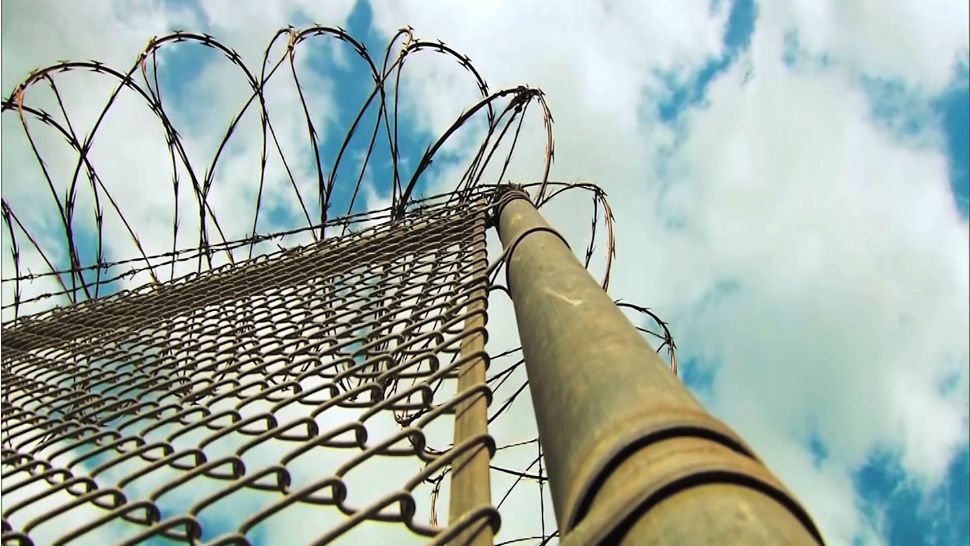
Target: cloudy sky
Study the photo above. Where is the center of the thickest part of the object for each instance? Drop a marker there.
(790, 183)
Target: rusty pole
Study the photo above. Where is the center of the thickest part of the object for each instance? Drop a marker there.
(632, 457)
(470, 485)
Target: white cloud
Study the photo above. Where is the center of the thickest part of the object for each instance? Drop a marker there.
(915, 41)
(248, 25)
(36, 34)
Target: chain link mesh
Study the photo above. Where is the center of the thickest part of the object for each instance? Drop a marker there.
(205, 408)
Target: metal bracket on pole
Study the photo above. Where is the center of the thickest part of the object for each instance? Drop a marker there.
(632, 457)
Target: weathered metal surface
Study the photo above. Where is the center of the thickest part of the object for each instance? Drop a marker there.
(624, 440)
(470, 484)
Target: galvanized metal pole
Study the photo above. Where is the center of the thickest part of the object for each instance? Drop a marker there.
(470, 485)
(632, 457)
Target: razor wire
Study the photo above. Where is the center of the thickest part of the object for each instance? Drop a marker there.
(503, 110)
(160, 378)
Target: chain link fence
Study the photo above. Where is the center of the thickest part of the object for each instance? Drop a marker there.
(206, 407)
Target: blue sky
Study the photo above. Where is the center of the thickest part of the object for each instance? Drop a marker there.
(953, 108)
(683, 87)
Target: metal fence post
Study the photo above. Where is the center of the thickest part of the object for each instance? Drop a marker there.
(470, 484)
(632, 457)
